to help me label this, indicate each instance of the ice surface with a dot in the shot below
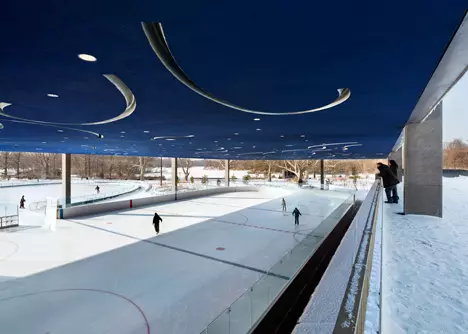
(111, 274)
(425, 272)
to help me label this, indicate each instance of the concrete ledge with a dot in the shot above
(93, 209)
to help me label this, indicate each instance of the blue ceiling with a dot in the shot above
(274, 56)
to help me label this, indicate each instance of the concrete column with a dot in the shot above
(398, 157)
(66, 178)
(423, 166)
(322, 175)
(226, 173)
(174, 176)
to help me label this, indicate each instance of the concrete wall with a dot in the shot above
(100, 208)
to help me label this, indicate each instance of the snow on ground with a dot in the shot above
(92, 273)
(425, 272)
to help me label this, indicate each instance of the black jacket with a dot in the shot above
(389, 179)
(394, 169)
(156, 219)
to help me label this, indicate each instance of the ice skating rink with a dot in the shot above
(111, 274)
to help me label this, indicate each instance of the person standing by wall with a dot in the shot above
(390, 182)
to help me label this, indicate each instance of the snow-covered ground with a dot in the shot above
(110, 274)
(425, 267)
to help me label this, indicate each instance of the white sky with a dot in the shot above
(455, 112)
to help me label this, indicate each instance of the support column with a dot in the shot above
(322, 175)
(66, 179)
(161, 173)
(398, 157)
(226, 173)
(423, 166)
(174, 176)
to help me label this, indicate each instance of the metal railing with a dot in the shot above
(11, 220)
(352, 314)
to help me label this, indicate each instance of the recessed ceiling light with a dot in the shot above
(86, 57)
(190, 136)
(44, 142)
(302, 136)
(52, 95)
(345, 148)
(256, 119)
(170, 139)
(229, 139)
(324, 147)
(282, 136)
(122, 131)
(254, 146)
(122, 136)
(59, 130)
(65, 137)
(236, 134)
(146, 131)
(306, 140)
(259, 129)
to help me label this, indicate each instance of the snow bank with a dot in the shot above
(425, 267)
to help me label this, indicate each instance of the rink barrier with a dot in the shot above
(99, 208)
(338, 304)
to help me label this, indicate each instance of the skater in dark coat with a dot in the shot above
(390, 182)
(22, 200)
(283, 202)
(156, 220)
(97, 189)
(296, 213)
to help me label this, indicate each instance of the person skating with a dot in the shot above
(390, 182)
(296, 213)
(97, 189)
(22, 200)
(283, 202)
(156, 220)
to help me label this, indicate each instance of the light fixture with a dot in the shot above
(65, 137)
(86, 57)
(256, 119)
(236, 134)
(259, 129)
(282, 136)
(229, 139)
(170, 139)
(345, 148)
(146, 131)
(122, 131)
(190, 136)
(324, 147)
(302, 136)
(52, 95)
(122, 136)
(59, 130)
(44, 142)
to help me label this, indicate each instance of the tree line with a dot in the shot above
(48, 165)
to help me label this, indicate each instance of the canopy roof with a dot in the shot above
(217, 80)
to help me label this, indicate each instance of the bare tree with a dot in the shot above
(297, 167)
(186, 164)
(6, 155)
(143, 161)
(17, 160)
